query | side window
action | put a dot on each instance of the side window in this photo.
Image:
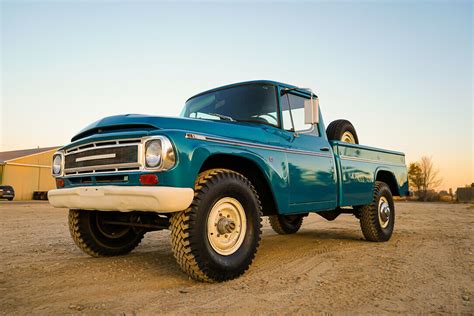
(297, 111)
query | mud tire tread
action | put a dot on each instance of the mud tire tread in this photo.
(278, 225)
(187, 256)
(336, 129)
(83, 239)
(369, 222)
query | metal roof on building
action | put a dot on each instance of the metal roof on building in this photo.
(15, 154)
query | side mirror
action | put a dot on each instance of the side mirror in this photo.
(311, 111)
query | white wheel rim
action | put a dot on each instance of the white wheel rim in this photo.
(348, 137)
(384, 212)
(226, 226)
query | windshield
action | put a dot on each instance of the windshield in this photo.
(256, 103)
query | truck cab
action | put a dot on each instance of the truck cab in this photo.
(235, 154)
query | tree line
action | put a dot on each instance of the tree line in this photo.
(423, 177)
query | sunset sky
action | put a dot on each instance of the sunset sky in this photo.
(400, 71)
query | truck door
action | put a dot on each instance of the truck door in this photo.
(311, 167)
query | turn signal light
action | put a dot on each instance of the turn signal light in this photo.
(59, 183)
(149, 179)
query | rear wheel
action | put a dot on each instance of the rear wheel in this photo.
(377, 220)
(217, 237)
(288, 224)
(342, 130)
(10, 199)
(93, 233)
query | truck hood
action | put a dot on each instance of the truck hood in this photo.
(138, 122)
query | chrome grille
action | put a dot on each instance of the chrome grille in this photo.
(103, 156)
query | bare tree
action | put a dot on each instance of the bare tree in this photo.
(430, 176)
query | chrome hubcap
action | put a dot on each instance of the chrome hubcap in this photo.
(226, 226)
(384, 212)
(347, 137)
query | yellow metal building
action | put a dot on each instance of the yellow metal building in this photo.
(27, 171)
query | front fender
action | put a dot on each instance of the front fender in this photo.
(192, 154)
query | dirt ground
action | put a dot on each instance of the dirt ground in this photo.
(427, 267)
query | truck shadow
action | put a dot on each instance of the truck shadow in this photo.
(327, 234)
(157, 260)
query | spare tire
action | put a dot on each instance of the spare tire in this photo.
(342, 130)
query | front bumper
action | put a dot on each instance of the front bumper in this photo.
(123, 198)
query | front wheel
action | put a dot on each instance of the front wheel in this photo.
(95, 233)
(377, 219)
(217, 237)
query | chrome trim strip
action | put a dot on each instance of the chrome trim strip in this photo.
(106, 171)
(103, 167)
(105, 156)
(364, 147)
(253, 145)
(343, 157)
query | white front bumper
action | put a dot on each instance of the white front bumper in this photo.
(123, 198)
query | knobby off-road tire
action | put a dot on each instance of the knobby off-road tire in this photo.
(342, 130)
(375, 225)
(97, 239)
(194, 235)
(285, 225)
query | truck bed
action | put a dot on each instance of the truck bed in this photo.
(359, 166)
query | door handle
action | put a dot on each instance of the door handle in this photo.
(324, 149)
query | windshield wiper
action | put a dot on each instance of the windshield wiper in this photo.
(223, 117)
(256, 122)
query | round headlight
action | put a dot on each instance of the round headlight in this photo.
(57, 164)
(153, 153)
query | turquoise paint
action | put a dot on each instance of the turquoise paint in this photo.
(302, 175)
(358, 167)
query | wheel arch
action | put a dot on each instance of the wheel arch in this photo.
(389, 178)
(252, 171)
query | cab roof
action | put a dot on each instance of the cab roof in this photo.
(267, 82)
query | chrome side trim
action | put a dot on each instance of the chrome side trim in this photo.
(371, 161)
(253, 145)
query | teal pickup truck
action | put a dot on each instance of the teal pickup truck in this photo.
(235, 154)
